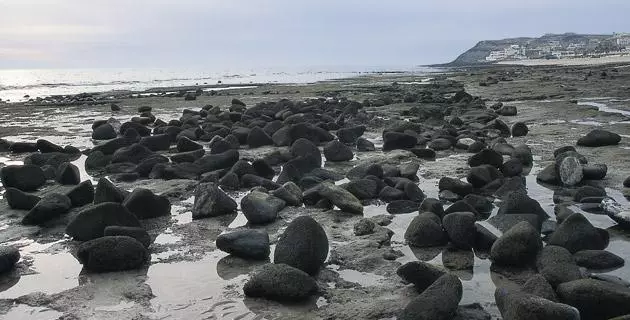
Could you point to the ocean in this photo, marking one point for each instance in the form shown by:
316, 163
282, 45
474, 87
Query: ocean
22, 84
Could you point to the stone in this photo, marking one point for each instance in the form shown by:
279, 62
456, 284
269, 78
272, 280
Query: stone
438, 302
9, 256
48, 208
250, 181
398, 140
402, 206
336, 151
257, 137
482, 175
486, 156
512, 168
456, 259
303, 245
424, 231
549, 175
210, 201
389, 194
144, 204
280, 282
363, 189
413, 193
112, 253
247, 244
106, 191
440, 144
539, 286
23, 147
507, 111
457, 186
158, 142
588, 192
350, 135
68, 174
515, 305
263, 169
599, 138
363, 227
409, 170
104, 132
519, 129
561, 272
420, 274
516, 247
307, 150
26, 178
524, 153
576, 233
137, 233
598, 259
96, 160
432, 205
133, 154
341, 198
424, 153
217, 161
229, 181
91, 222
82, 194
364, 144
595, 299
594, 172
188, 156
184, 144
460, 227
570, 171
261, 208
17, 199
518, 202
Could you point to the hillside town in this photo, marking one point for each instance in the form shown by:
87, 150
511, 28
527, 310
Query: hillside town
552, 48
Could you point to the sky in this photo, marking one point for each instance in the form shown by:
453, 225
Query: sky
279, 33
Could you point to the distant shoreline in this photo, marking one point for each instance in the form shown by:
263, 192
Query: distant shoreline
567, 61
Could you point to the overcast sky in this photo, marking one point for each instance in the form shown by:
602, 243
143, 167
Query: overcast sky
279, 33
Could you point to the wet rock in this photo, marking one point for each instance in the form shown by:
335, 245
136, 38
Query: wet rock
576, 233
486, 156
23, 147
549, 175
82, 194
505, 222
104, 132
158, 142
457, 186
539, 286
280, 282
26, 178
363, 227
440, 144
524, 306
261, 208
17, 199
518, 202
133, 154
91, 222
217, 161
184, 144
189, 156
599, 138
595, 299
341, 198
519, 129
413, 192
303, 245
484, 238
518, 246
524, 153
140, 129
350, 135
112, 253
409, 170
482, 175
263, 169
402, 206
364, 144
432, 205
257, 137
210, 201
363, 189
144, 204
588, 192
247, 244
389, 194
308, 151
424, 231
250, 180
423, 153
438, 302
570, 171
460, 227
594, 172
137, 233
449, 196
229, 181
97, 160
68, 174
598, 259
48, 208
9, 256
512, 168
106, 191
561, 272
480, 204
420, 274
336, 151
398, 140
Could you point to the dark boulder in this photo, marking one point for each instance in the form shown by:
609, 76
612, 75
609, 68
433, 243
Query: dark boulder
594, 172
46, 146
402, 206
263, 169
432, 205
482, 175
438, 302
290, 193
68, 174
486, 156
519, 129
516, 305
106, 191
576, 233
398, 140
48, 208
364, 144
460, 228
9, 256
217, 161
184, 144
420, 274
144, 204
512, 168
230, 181
82, 194
257, 137
598, 259
261, 208
97, 160
210, 201
137, 233
539, 286
595, 299
247, 244
17, 199
599, 138
341, 198
188, 156
112, 253
518, 202
23, 147
133, 154
440, 144
104, 132
517, 247
91, 222
336, 151
424, 153
457, 186
350, 135
507, 111
26, 178
425, 231
303, 245
280, 282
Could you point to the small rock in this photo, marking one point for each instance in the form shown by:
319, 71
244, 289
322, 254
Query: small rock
420, 274
517, 246
424, 231
106, 191
48, 208
363, 227
17, 199
91, 222
144, 204
460, 227
210, 201
247, 244
261, 208
112, 253
516, 305
598, 259
336, 151
438, 302
341, 198
519, 129
599, 138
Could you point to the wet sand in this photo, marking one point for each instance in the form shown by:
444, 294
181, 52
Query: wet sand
189, 278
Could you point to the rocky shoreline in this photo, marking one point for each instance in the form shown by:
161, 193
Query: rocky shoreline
488, 193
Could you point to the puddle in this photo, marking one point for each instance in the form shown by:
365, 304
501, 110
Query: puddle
603, 107
365, 279
22, 311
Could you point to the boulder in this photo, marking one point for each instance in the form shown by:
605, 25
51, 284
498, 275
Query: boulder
440, 144
9, 256
91, 222
137, 233
68, 174
290, 193
438, 302
414, 193
350, 135
263, 169
106, 191
598, 259
457, 186
336, 151
112, 253
512, 168
585, 192
217, 161
599, 138
486, 156
26, 178
420, 274
308, 151
576, 233
48, 208
519, 129
104, 132
133, 154
341, 198
229, 181
96, 160
261, 208
402, 206
432, 205
517, 247
595, 299
515, 305
425, 231
280, 282
482, 175
398, 140
188, 156
460, 227
570, 171
17, 199
184, 144
144, 204
518, 202
247, 244
303, 245
257, 137
210, 201
389, 194
594, 172
364, 144
23, 147
539, 286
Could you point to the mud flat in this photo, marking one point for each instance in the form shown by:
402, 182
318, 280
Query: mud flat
187, 276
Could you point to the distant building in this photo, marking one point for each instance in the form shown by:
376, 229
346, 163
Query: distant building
512, 52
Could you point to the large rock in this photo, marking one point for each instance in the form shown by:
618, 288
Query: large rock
570, 171
48, 208
599, 138
68, 174
398, 140
96, 160
486, 156
26, 178
9, 256
519, 129
303, 245
210, 201
247, 244
425, 231
257, 137
308, 151
112, 253
217, 161
576, 233
515, 305
598, 259
517, 247
23, 147
518, 202
91, 222
336, 151
364, 144
184, 144
420, 274
261, 208
460, 227
104, 132
158, 142
137, 233
341, 198
82, 194
106, 191
17, 199
280, 282
290, 193
144, 204
457, 186
482, 175
350, 135
438, 302
133, 154
596, 300
539, 286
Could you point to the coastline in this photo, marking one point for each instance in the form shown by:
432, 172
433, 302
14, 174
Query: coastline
569, 61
